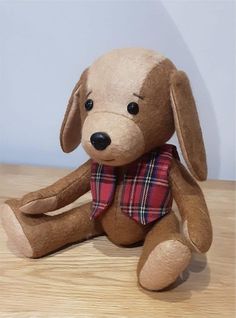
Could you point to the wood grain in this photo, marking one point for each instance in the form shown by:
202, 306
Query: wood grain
98, 279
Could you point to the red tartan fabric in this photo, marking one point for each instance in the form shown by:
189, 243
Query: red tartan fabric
146, 194
103, 183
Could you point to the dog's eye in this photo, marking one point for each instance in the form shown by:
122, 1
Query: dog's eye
88, 104
133, 108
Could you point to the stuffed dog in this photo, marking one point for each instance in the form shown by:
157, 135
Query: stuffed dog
123, 110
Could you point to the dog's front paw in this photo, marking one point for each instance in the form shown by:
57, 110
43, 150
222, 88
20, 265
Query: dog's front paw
37, 203
198, 232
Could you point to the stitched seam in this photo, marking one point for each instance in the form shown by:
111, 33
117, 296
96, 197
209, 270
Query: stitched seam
52, 196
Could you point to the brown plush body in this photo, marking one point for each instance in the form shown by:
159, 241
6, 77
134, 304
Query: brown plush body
165, 102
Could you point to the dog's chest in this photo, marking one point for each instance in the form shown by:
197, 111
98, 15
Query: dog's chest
119, 187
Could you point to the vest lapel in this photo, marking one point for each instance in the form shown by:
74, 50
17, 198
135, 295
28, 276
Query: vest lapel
103, 183
146, 194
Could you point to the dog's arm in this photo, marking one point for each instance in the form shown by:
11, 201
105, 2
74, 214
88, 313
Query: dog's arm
61, 193
192, 207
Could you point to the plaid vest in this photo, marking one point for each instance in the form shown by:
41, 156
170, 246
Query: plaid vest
146, 194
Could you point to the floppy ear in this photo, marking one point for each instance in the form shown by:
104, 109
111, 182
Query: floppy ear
70, 134
187, 125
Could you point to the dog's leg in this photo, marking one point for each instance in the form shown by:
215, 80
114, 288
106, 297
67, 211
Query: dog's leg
38, 235
165, 255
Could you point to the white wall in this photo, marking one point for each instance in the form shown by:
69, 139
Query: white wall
45, 45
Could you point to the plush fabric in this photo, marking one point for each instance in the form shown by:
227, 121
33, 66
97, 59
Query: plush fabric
156, 121
187, 125
59, 194
193, 209
130, 63
70, 134
166, 104
124, 147
164, 256
146, 194
46, 233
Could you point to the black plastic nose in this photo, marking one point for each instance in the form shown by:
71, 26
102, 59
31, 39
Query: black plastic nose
100, 140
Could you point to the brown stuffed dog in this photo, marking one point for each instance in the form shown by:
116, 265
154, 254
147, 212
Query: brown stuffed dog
124, 109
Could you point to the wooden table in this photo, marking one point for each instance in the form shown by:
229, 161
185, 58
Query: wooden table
98, 279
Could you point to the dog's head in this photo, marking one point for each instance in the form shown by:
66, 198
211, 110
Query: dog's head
128, 102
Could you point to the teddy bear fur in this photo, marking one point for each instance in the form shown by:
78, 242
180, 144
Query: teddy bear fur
166, 105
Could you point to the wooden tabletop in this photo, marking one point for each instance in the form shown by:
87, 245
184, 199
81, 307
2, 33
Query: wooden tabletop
98, 279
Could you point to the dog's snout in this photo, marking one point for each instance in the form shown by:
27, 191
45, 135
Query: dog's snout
100, 140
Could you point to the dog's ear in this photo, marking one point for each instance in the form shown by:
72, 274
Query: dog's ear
70, 134
187, 125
